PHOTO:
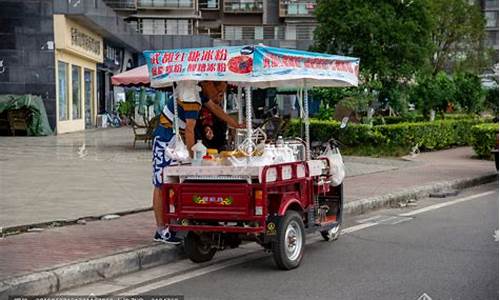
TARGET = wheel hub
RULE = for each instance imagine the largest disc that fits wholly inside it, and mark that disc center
(293, 240)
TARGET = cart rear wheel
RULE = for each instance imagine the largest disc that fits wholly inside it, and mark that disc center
(288, 249)
(332, 234)
(198, 250)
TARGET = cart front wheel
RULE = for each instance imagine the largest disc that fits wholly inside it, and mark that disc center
(288, 249)
(331, 234)
(198, 250)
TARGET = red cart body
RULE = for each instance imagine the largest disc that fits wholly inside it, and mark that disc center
(235, 210)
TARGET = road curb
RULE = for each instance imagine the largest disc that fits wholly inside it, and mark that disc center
(77, 274)
(364, 205)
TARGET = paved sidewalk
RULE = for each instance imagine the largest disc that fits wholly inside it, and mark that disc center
(44, 179)
(90, 173)
(29, 252)
(427, 168)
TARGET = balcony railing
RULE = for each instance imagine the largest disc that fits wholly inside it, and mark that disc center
(289, 32)
(491, 4)
(121, 4)
(165, 4)
(208, 4)
(243, 6)
(297, 8)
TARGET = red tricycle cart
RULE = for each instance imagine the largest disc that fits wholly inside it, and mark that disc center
(274, 200)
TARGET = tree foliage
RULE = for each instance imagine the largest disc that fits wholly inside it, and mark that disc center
(434, 93)
(457, 34)
(392, 38)
(469, 92)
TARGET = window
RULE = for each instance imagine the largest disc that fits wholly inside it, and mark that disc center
(63, 97)
(491, 19)
(209, 4)
(259, 33)
(147, 26)
(165, 3)
(88, 78)
(290, 32)
(232, 33)
(159, 26)
(211, 32)
(76, 86)
(165, 26)
(145, 3)
(178, 27)
(172, 27)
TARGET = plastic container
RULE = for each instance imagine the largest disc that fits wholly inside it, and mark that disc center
(213, 152)
(199, 150)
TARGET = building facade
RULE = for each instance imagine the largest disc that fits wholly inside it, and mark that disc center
(490, 11)
(285, 23)
(65, 52)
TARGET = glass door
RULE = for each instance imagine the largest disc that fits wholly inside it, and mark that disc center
(88, 77)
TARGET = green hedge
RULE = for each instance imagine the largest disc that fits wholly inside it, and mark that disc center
(393, 139)
(378, 120)
(484, 139)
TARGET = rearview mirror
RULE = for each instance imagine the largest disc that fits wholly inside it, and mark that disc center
(344, 122)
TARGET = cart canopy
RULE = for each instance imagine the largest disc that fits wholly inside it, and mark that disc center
(257, 66)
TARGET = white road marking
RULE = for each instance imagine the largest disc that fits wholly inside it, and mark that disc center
(192, 274)
(357, 227)
(370, 219)
(401, 220)
(440, 205)
(259, 254)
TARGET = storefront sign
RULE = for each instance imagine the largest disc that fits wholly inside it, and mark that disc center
(78, 40)
(85, 41)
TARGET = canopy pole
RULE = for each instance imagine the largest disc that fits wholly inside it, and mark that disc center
(306, 123)
(300, 99)
(240, 105)
(248, 97)
(176, 112)
(224, 105)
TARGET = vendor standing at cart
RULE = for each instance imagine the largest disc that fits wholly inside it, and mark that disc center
(190, 98)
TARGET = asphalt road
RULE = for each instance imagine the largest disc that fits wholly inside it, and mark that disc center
(447, 253)
(444, 248)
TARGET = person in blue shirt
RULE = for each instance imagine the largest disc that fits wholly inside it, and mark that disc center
(189, 102)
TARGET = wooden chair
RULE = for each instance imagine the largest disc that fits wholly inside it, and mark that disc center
(144, 132)
(18, 120)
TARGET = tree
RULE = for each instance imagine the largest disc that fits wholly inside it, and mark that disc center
(392, 38)
(434, 93)
(491, 99)
(469, 92)
(457, 35)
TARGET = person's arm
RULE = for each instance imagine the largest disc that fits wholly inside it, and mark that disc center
(189, 134)
(219, 113)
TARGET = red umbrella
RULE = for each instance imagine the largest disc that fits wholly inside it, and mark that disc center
(137, 76)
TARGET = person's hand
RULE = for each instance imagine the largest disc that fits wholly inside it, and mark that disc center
(240, 126)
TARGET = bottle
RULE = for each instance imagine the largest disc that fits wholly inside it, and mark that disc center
(199, 150)
(280, 142)
(288, 152)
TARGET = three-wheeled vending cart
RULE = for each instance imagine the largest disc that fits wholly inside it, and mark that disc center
(270, 192)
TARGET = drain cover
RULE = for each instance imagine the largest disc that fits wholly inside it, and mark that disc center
(443, 194)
